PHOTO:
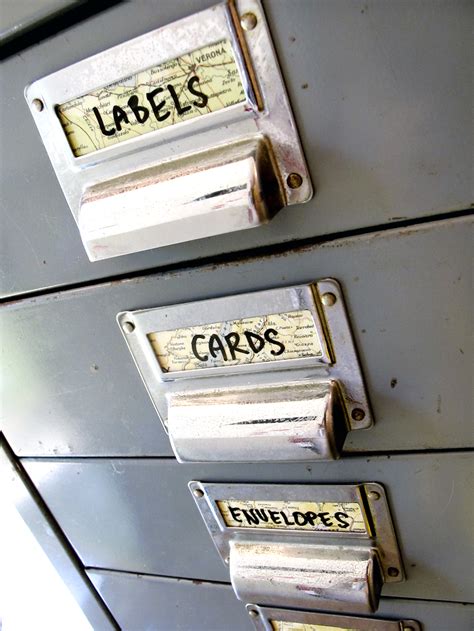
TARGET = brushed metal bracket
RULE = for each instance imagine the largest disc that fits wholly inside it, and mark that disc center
(183, 133)
(305, 546)
(224, 397)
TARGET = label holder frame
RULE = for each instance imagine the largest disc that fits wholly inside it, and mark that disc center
(339, 360)
(262, 618)
(371, 497)
(265, 113)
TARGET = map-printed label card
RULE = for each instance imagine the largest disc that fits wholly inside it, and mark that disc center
(264, 338)
(293, 515)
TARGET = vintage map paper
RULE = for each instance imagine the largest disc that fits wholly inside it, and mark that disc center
(202, 81)
(294, 515)
(265, 338)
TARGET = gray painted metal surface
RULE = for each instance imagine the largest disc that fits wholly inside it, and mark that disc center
(155, 603)
(16, 490)
(380, 91)
(71, 387)
(138, 516)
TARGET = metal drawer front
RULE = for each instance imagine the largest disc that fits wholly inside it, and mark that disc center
(373, 145)
(85, 397)
(149, 602)
(139, 516)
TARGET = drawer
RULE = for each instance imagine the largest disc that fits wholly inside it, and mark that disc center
(157, 603)
(139, 516)
(72, 389)
(383, 129)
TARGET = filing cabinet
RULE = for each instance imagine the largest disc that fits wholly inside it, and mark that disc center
(228, 428)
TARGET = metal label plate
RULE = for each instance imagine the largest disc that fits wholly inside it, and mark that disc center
(201, 82)
(272, 619)
(265, 338)
(294, 515)
(179, 348)
(365, 503)
(176, 98)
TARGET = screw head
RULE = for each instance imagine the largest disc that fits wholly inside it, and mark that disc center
(373, 495)
(393, 572)
(198, 493)
(253, 613)
(328, 299)
(248, 21)
(38, 104)
(357, 414)
(128, 327)
(294, 180)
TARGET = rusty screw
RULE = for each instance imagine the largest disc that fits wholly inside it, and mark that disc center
(373, 495)
(294, 180)
(248, 21)
(198, 493)
(357, 414)
(393, 572)
(328, 299)
(38, 104)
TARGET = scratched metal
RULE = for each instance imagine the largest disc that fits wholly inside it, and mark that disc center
(233, 188)
(171, 185)
(304, 576)
(334, 569)
(200, 390)
(300, 422)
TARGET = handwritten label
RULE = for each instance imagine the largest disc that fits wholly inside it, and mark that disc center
(283, 625)
(295, 515)
(263, 338)
(198, 83)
